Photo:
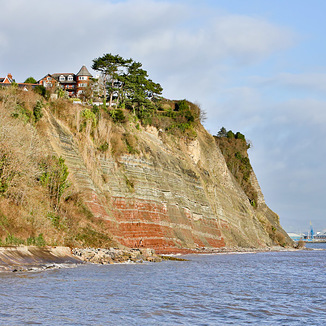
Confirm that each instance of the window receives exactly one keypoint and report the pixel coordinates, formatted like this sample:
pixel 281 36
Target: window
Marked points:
pixel 82 78
pixel 62 78
pixel 82 85
pixel 48 78
pixel 70 78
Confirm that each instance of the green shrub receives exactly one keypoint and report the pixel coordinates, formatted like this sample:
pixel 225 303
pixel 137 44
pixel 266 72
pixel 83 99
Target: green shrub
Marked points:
pixel 39 89
pixel 55 219
pixel 36 241
pixel 239 135
pixel 54 174
pixel 104 147
pixel 117 115
pixel 89 115
pixel 181 105
pixel 230 134
pixel 22 113
pixel 37 111
pixel 13 241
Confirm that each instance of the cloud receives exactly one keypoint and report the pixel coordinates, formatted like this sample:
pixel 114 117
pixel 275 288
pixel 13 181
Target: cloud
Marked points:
pixel 169 38
pixel 305 111
pixel 248 39
pixel 299 81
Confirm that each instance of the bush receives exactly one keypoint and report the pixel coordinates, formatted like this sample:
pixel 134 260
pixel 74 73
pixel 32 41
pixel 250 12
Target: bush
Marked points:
pixel 12 240
pixel 181 105
pixel 104 147
pixel 117 115
pixel 39 89
pixel 22 113
pixel 239 135
pixel 37 111
pixel 36 241
pixel 54 178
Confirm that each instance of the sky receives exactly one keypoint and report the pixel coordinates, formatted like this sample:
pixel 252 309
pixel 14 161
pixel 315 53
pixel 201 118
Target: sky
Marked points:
pixel 254 66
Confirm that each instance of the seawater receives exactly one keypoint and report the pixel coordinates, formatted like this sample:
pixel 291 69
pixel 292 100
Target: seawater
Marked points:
pixel 272 288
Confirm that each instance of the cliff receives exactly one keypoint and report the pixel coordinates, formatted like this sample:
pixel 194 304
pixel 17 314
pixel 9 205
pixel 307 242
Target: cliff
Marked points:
pixel 141 186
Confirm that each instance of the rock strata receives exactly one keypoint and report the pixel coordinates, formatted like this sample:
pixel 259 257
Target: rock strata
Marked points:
pixel 115 255
pixel 170 195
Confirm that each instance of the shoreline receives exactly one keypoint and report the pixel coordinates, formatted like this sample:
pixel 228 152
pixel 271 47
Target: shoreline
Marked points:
pixel 33 259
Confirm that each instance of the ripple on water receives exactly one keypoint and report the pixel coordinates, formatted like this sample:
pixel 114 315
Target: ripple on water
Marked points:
pixel 261 289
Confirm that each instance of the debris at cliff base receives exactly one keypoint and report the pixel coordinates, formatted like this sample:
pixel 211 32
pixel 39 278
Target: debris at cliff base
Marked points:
pixel 116 255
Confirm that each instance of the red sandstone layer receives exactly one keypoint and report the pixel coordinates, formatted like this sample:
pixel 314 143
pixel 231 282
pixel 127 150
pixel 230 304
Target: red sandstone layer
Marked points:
pixel 165 228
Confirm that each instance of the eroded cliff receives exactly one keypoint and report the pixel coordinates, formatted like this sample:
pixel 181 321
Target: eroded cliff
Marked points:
pixel 166 192
pixel 172 194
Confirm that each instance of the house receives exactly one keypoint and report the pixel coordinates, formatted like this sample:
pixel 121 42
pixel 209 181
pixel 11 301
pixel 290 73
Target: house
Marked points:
pixel 6 80
pixel 73 84
pixel 9 81
pixel 48 81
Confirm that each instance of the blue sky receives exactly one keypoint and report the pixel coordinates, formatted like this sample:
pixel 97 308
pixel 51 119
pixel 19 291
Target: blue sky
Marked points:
pixel 255 66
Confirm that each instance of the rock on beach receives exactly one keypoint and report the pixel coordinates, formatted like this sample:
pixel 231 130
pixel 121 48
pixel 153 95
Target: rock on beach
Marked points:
pixel 115 255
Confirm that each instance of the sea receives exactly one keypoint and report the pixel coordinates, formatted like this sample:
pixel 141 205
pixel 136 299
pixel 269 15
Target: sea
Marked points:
pixel 266 288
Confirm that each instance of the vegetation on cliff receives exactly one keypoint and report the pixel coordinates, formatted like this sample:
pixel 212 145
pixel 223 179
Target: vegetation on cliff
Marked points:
pixel 234 149
pixel 38 205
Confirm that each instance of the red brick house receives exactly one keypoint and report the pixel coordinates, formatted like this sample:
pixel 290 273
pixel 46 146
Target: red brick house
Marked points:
pixel 6 80
pixel 73 84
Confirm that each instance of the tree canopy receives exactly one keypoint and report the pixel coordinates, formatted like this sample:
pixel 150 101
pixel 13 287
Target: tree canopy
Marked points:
pixel 127 81
pixel 30 80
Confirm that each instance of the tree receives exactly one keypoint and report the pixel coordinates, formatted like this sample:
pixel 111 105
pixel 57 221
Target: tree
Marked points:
pixel 30 80
pixel 138 89
pixel 127 80
pixel 54 174
pixel 230 134
pixel 239 135
pixel 222 132
pixel 37 111
pixel 111 67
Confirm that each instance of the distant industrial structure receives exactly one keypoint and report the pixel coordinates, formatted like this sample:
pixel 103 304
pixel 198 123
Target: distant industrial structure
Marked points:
pixel 310 236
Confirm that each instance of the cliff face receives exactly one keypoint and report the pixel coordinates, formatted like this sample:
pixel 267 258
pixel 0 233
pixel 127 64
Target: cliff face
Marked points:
pixel 172 194
pixel 132 185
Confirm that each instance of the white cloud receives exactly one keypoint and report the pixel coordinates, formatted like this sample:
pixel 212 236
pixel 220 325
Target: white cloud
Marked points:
pixel 248 39
pixel 306 111
pixel 162 35
pixel 298 81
